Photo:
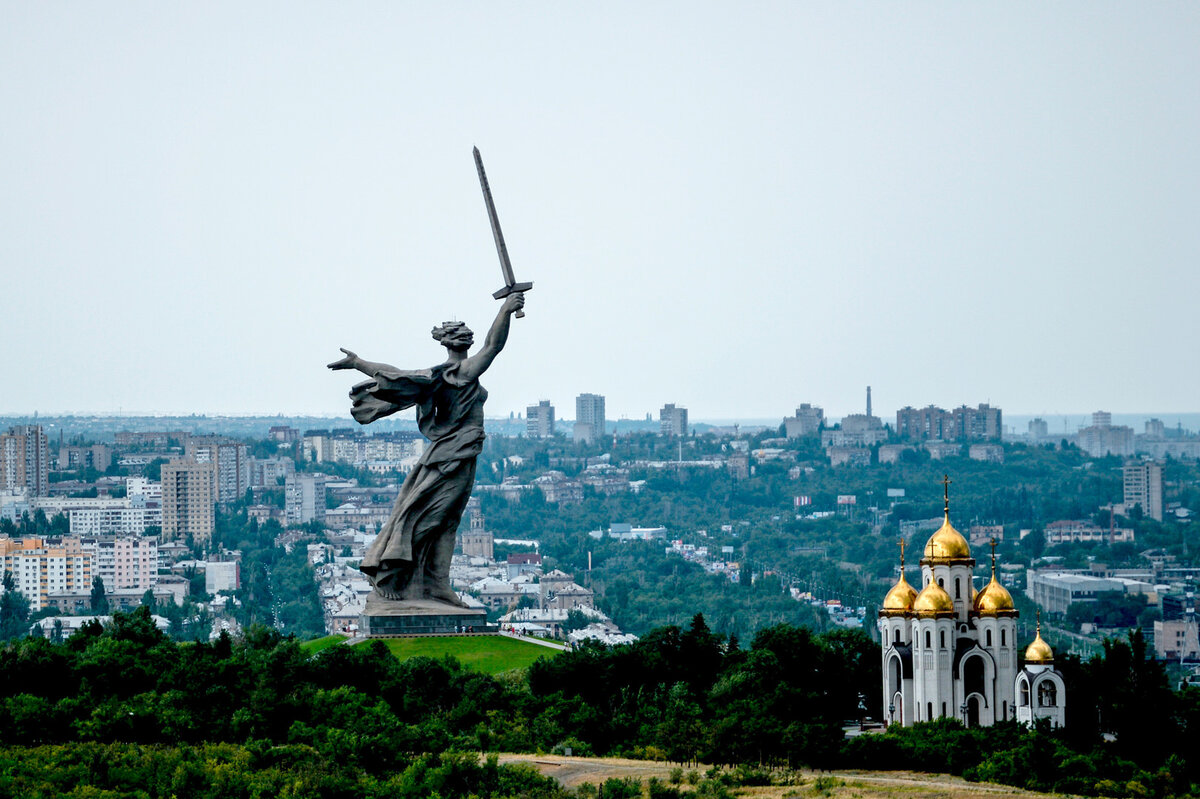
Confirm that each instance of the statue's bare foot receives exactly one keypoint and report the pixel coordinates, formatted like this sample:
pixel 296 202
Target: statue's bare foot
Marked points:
pixel 387 593
pixel 448 596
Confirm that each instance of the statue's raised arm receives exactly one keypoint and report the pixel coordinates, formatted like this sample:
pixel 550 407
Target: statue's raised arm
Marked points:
pixel 475 365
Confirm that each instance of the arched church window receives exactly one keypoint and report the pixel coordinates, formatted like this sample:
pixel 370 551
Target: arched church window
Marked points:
pixel 958 588
pixel 941 583
pixel 1003 637
pixel 1047 694
pixel 896 638
pixel 988 634
pixel 943 639
pixel 943 710
pixel 1024 694
pixel 1005 716
pixel 928 639
pixel 929 711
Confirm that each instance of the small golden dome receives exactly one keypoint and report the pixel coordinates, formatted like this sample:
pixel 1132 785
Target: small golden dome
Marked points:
pixel 899 601
pixel 947 544
pixel 933 601
pixel 1039 652
pixel 994 600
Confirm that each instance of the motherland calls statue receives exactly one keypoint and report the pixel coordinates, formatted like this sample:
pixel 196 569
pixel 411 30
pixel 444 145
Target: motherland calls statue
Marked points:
pixel 410 559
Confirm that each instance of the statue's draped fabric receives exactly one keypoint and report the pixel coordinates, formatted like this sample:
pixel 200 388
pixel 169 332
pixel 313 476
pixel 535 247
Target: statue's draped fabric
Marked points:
pixel 404 560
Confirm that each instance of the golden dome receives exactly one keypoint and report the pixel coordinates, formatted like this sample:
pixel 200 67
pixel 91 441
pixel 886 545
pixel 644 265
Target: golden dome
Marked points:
pixel 933 601
pixel 994 600
pixel 947 544
pixel 899 601
pixel 1039 652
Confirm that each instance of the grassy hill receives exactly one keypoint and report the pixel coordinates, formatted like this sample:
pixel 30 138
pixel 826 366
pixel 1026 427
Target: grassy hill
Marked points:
pixel 487 653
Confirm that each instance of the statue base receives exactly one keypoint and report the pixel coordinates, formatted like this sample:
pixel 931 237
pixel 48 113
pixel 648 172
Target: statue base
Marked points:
pixel 389 618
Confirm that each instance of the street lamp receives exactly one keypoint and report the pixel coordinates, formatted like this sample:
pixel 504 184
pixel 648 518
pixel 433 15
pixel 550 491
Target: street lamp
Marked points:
pixel 891 712
pixel 964 712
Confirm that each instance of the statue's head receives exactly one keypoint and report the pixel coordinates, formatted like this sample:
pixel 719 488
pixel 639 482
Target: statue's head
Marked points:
pixel 454 335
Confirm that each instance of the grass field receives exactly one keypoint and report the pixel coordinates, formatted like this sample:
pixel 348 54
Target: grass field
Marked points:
pixel 487 653
pixel 317 644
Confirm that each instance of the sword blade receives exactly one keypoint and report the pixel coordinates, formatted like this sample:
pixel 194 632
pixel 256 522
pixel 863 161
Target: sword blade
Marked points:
pixel 501 249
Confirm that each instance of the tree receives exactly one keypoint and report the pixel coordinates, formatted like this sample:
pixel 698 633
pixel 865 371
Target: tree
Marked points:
pixel 99 600
pixel 14 610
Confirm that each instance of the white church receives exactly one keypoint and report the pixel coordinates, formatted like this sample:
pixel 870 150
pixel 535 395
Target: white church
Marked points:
pixel 951 651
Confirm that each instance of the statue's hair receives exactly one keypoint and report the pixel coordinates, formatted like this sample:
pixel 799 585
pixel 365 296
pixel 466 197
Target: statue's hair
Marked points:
pixel 450 332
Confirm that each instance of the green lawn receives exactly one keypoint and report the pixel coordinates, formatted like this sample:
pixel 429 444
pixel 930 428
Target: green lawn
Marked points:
pixel 317 644
pixel 487 653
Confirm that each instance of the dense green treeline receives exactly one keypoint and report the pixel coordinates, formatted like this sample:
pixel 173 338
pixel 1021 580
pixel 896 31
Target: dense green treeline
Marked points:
pixel 123 702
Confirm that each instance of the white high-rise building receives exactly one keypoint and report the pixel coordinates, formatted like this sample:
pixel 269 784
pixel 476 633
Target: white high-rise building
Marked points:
pixel 1143 486
pixel 589 411
pixel 673 421
pixel 539 420
pixel 25 460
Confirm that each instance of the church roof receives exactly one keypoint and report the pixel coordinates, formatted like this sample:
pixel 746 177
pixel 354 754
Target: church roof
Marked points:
pixel 933 601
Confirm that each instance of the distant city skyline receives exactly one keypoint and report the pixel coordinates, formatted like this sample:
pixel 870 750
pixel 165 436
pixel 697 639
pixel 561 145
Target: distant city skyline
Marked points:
pixel 953 204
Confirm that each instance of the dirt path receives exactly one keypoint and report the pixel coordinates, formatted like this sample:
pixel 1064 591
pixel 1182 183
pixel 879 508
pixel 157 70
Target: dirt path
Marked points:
pixel 574 771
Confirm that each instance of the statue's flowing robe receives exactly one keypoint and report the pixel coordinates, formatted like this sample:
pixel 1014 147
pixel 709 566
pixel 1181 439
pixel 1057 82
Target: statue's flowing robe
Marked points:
pixel 435 493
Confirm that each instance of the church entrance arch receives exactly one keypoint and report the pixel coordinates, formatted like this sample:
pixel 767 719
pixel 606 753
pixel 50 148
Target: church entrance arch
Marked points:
pixel 974 710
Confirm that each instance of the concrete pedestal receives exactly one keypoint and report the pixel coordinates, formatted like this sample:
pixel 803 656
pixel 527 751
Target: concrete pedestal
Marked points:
pixel 390 618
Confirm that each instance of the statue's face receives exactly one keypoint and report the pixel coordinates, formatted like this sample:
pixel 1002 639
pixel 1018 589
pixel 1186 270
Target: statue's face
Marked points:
pixel 460 342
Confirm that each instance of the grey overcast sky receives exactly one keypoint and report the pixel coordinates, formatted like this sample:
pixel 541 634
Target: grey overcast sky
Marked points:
pixel 736 207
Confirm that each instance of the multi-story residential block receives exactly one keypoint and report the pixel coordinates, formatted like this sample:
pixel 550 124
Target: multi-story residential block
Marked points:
pixel 304 499
pixel 221 575
pixel 124 562
pixel 93 456
pixel 988 453
pixel 269 472
pixel 25 460
pixel 189 494
pixel 1143 486
pixel 44 566
pixel 806 422
pixel 539 420
pixel 126 439
pixel 232 460
pixel 1038 429
pixel 964 423
pixel 589 410
pixel 1177 639
pixel 1068 531
pixel 1103 438
pixel 557 487
pixel 673 421
pixel 283 434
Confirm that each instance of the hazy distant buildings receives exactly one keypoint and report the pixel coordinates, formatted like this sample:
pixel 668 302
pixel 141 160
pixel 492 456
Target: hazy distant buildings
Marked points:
pixel 673 421
pixel 25 460
pixel 1103 438
pixel 806 422
pixel 1143 486
pixel 931 423
pixel 1038 429
pixel 189 491
pixel 988 453
pixel 539 420
pixel 94 456
pixel 589 417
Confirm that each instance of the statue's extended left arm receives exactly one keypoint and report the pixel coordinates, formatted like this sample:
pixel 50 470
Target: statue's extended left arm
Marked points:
pixel 352 361
pixel 478 363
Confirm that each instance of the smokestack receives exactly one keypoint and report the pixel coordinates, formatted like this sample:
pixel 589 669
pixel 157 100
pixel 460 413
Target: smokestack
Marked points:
pixel 868 400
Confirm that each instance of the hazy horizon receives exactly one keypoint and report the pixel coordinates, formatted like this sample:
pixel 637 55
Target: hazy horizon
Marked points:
pixel 719 208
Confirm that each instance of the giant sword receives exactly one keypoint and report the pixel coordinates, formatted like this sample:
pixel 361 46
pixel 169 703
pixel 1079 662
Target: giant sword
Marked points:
pixel 511 285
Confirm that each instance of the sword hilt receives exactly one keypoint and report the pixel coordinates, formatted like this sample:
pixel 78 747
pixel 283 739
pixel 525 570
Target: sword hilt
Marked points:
pixel 513 289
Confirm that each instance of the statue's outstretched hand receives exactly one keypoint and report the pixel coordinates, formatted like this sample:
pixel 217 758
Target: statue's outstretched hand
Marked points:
pixel 349 362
